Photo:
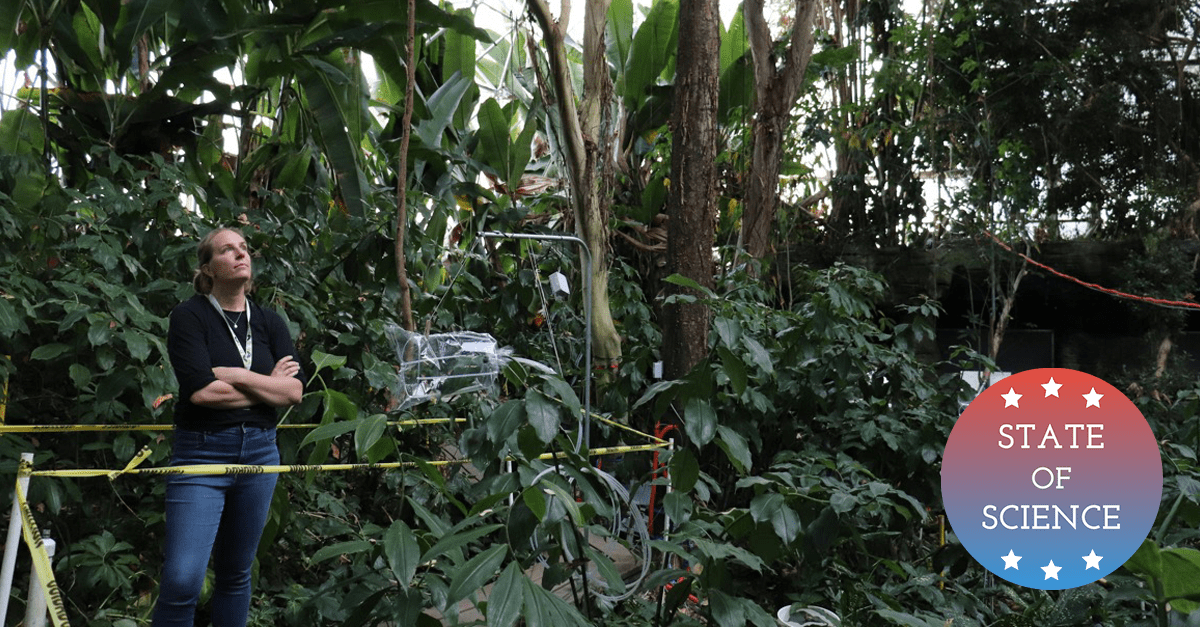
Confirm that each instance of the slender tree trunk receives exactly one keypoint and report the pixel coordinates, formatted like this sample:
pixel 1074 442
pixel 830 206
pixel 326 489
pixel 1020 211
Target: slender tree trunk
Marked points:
pixel 410 63
pixel 692 204
pixel 587 134
pixel 775 91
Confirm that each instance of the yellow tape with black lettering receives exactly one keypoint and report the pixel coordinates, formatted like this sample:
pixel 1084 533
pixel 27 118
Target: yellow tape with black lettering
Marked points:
pixel 169 427
pixel 609 421
pixel 41 560
pixel 243 469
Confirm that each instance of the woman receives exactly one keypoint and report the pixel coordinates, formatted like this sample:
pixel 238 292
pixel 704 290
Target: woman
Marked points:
pixel 235 365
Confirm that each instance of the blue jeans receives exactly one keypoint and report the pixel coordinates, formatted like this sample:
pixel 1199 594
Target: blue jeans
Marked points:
pixel 218 515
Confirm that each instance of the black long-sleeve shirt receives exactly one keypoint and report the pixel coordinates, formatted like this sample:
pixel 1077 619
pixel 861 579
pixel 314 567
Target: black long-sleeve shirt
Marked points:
pixel 198 340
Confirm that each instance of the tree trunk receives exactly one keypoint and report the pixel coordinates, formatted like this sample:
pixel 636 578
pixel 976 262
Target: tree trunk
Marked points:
pixel 587 134
pixel 775 91
pixel 692 204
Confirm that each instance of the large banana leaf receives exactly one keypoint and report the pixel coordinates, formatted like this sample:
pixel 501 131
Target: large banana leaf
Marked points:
pixel 322 83
pixel 652 52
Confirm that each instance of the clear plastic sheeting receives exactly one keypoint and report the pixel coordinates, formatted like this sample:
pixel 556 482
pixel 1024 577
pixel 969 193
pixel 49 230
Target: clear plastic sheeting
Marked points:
pixel 442 365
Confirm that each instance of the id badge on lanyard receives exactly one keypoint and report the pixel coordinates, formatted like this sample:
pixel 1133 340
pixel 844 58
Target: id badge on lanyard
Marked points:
pixel 245 350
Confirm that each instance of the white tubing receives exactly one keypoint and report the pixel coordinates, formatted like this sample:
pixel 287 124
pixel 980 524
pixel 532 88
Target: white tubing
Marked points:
pixel 13 541
pixel 35 609
pixel 639 534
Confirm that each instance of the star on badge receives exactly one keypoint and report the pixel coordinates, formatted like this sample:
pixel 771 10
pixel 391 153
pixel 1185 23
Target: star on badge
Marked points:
pixel 1051 388
pixel 1010 399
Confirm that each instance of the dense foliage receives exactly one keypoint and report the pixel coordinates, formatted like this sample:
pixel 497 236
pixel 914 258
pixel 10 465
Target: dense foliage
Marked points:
pixel 805 469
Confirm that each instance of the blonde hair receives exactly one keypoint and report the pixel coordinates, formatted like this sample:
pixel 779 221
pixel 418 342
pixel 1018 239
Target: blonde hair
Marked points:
pixel 202 282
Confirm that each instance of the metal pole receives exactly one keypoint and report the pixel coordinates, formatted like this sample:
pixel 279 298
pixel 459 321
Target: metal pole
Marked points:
pixel 586 434
pixel 14 539
pixel 35 609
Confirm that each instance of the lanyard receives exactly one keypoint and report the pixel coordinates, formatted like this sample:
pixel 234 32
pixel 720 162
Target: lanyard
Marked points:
pixel 246 350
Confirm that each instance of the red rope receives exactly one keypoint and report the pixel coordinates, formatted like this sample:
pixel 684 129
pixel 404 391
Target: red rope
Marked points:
pixel 1162 302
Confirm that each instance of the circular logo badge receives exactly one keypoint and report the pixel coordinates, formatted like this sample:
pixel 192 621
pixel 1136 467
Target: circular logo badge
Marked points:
pixel 1051 478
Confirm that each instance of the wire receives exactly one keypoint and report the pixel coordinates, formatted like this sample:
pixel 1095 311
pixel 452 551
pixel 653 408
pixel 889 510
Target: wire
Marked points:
pixel 639 534
pixel 1161 302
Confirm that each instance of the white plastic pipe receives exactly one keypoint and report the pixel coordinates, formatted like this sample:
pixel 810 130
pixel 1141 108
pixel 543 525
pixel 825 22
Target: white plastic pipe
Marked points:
pixel 13 541
pixel 35 608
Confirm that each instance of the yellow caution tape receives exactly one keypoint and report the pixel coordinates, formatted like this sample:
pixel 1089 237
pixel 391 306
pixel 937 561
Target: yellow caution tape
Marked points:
pixel 618 425
pixel 133 463
pixel 245 469
pixel 41 560
pixel 168 427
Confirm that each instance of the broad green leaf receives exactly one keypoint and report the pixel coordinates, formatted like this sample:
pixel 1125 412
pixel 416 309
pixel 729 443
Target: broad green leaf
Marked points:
pixel 522 149
pixel 564 499
pixel 460 57
pixel 322 360
pixel 773 508
pixel 682 281
pixel 699 421
pixel 1147 561
pixel 764 505
pixel 205 19
pixel 9 322
pixel 10 16
pixel 544 609
pixel 80 375
pixel 49 351
pixel 341 548
pixel 842 502
pixel 758 354
pixel 137 343
pixel 505 601
pixel 333 120
pixel 908 620
pixel 655 390
pixel 87 48
pixel 726 611
pixel 136 17
pixel 327 431
pixel 505 420
pixel 685 470
pixel 729 331
pixel 735 448
pixel 442 105
pixel 535 499
pixel 1181 578
pixel 432 522
pixel 608 571
pixel 653 47
pixel 368 432
pixel 402 552
pixel 619 37
pixel 495 138
pixel 339 405
pixel 678 506
pixel 472 575
pixel 543 415
pixel 734 368
pixel 722 550
pixel 457 540
pixel 735 42
pixel 565 394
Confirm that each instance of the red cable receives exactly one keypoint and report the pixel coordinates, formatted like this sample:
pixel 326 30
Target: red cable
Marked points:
pixel 1106 290
pixel 660 431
